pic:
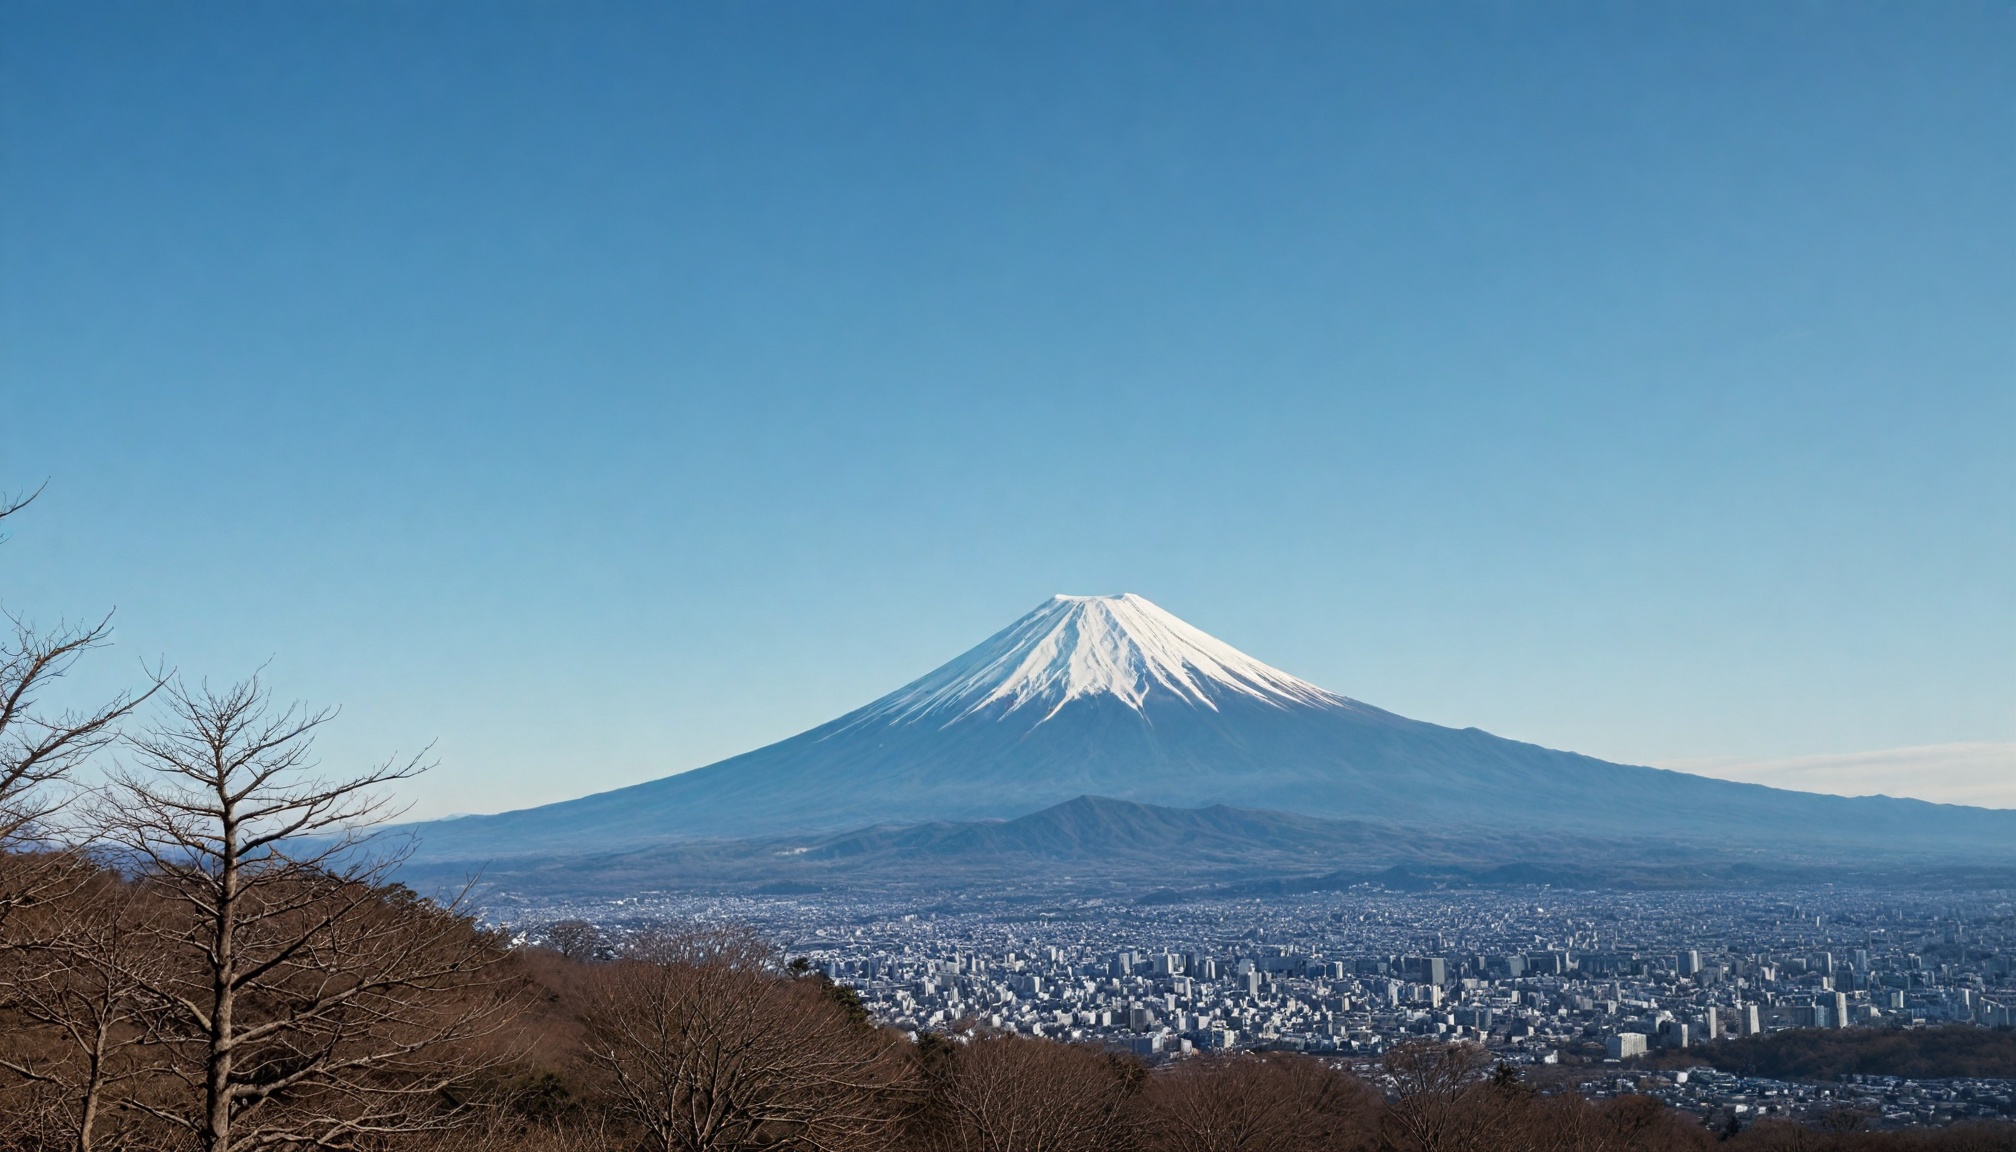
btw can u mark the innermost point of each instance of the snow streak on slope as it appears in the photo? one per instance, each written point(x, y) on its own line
point(1083, 646)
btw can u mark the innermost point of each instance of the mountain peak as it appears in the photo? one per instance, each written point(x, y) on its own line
point(1110, 696)
point(1075, 647)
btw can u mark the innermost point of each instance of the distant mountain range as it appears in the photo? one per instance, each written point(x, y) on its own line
point(1196, 751)
point(1099, 847)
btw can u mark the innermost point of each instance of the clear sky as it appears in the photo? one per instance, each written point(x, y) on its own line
point(602, 389)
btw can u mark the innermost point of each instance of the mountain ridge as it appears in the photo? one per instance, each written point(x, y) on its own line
point(1113, 697)
point(1094, 846)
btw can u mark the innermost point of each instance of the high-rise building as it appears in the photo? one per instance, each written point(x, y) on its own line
point(1548, 963)
point(1427, 969)
point(1690, 963)
point(1625, 1045)
point(1750, 1020)
point(1146, 1045)
point(1839, 1006)
point(1711, 1027)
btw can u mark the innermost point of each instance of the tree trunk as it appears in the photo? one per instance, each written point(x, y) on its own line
point(224, 995)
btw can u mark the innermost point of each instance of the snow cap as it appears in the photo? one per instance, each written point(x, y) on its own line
point(1072, 647)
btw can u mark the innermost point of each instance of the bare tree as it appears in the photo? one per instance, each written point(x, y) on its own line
point(41, 746)
point(1256, 1103)
point(309, 1003)
point(574, 939)
point(49, 998)
point(1562, 1122)
point(1442, 1102)
point(501, 1131)
point(705, 1047)
point(1009, 1094)
point(38, 748)
point(76, 994)
point(1631, 1123)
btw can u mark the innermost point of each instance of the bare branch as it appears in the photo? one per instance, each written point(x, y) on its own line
point(309, 1000)
point(706, 1049)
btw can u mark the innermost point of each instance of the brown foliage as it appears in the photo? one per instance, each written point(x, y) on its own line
point(704, 1047)
point(1634, 1123)
point(1444, 1103)
point(1009, 1094)
point(1827, 1053)
point(1259, 1103)
point(700, 1040)
point(81, 1040)
point(1449, 1097)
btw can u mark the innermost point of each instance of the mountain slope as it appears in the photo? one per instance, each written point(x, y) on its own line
point(1111, 696)
point(1116, 849)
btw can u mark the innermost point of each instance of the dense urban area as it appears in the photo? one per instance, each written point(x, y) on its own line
point(1610, 990)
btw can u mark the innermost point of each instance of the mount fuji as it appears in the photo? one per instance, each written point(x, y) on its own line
point(1112, 697)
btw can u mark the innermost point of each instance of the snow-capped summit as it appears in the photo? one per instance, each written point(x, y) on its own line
point(1110, 696)
point(1072, 647)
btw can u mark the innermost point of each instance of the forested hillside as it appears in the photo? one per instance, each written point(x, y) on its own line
point(1957, 1050)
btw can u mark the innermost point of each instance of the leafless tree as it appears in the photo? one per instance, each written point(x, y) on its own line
point(309, 1003)
point(75, 995)
point(501, 1131)
point(705, 945)
point(40, 746)
point(574, 939)
point(1010, 1094)
point(1441, 1103)
point(1256, 1103)
point(1636, 1123)
point(1565, 1122)
point(706, 1047)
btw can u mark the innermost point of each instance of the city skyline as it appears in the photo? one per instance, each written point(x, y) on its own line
point(1611, 992)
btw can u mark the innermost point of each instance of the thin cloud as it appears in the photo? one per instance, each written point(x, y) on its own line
point(1982, 773)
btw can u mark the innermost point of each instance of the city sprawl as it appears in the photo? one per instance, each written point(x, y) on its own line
point(1574, 985)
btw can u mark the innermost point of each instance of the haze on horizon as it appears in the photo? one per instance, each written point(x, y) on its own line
point(600, 391)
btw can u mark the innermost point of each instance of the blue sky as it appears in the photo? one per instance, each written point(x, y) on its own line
point(601, 389)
